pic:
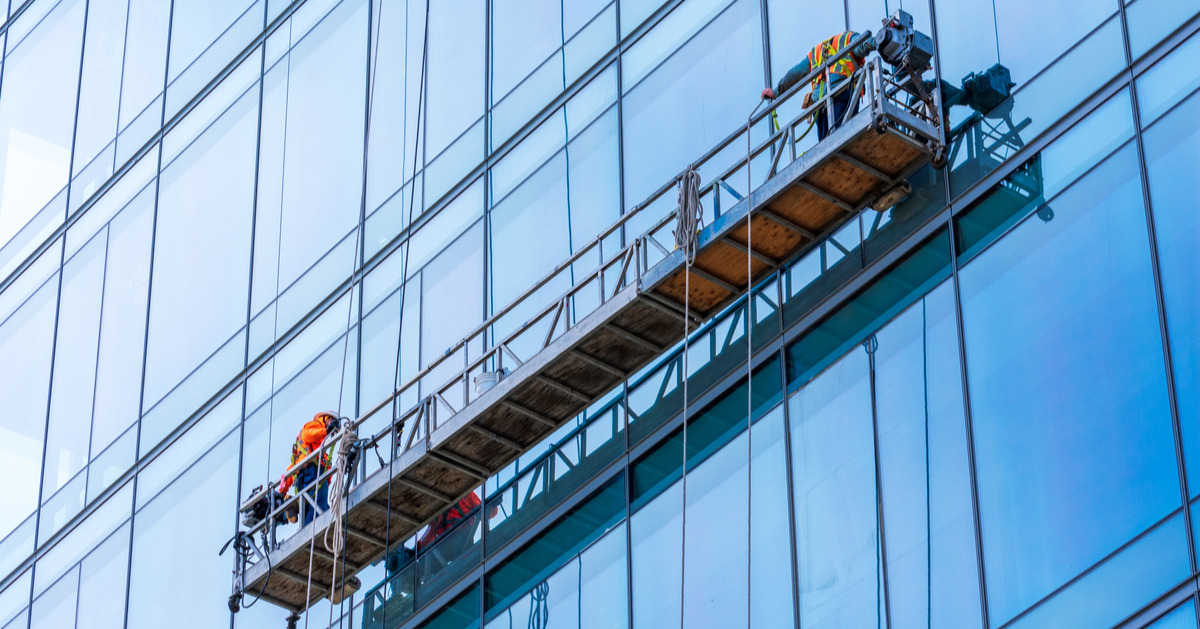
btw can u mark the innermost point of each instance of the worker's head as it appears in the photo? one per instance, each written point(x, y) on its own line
point(330, 419)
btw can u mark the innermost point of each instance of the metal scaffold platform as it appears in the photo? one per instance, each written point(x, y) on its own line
point(630, 309)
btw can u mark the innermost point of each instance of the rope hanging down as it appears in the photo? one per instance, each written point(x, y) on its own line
point(690, 219)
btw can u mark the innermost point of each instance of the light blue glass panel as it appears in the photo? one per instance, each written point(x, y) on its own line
point(1169, 81)
point(208, 65)
point(833, 473)
point(1037, 105)
point(102, 581)
point(1072, 428)
point(118, 194)
point(1121, 585)
point(392, 157)
point(123, 321)
point(712, 82)
point(37, 115)
point(392, 217)
point(442, 228)
point(214, 104)
point(188, 447)
point(771, 602)
point(73, 381)
point(585, 48)
point(198, 292)
point(15, 597)
point(524, 34)
point(534, 93)
point(603, 591)
point(1172, 158)
point(455, 77)
point(1182, 617)
point(449, 168)
point(1086, 144)
point(58, 509)
point(100, 89)
point(201, 501)
point(56, 608)
point(933, 575)
point(1032, 33)
point(17, 546)
point(381, 371)
point(1151, 20)
point(322, 168)
point(142, 77)
point(26, 342)
point(107, 466)
point(716, 539)
point(196, 24)
point(656, 535)
point(796, 28)
point(452, 295)
point(30, 280)
point(85, 536)
point(634, 12)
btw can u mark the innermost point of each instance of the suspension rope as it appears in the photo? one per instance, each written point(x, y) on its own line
point(749, 353)
point(689, 220)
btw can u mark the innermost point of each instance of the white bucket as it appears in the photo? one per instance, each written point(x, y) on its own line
point(488, 379)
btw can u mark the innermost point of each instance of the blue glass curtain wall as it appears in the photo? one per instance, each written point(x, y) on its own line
point(217, 218)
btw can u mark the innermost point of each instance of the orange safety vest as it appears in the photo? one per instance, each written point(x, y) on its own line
point(846, 66)
point(311, 437)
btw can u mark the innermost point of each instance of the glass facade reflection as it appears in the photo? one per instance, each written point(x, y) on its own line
point(977, 409)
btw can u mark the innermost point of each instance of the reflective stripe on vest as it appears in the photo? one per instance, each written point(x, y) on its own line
point(846, 66)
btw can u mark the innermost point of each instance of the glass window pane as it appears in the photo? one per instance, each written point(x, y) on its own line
point(1172, 159)
point(55, 609)
point(323, 140)
point(452, 295)
point(87, 534)
point(197, 298)
point(1183, 617)
point(929, 517)
point(524, 33)
point(1072, 430)
point(123, 321)
point(395, 89)
point(656, 532)
point(75, 350)
point(1152, 20)
point(15, 597)
point(100, 87)
point(712, 81)
point(200, 501)
point(455, 96)
point(1169, 81)
point(1121, 585)
point(102, 584)
point(144, 69)
point(771, 595)
point(26, 343)
point(37, 115)
point(833, 473)
point(196, 24)
point(603, 595)
point(797, 27)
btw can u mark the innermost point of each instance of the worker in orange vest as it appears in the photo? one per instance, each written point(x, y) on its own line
point(863, 44)
point(311, 438)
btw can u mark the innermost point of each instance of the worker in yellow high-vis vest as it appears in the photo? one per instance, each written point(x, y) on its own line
point(862, 44)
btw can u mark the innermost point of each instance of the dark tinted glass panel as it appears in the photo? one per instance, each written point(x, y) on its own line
point(1073, 438)
point(463, 613)
point(581, 526)
point(851, 323)
point(707, 433)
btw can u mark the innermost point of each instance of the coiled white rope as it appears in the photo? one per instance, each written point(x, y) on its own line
point(337, 501)
point(690, 219)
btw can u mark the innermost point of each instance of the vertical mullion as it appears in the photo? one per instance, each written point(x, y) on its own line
point(787, 441)
point(1160, 303)
point(146, 333)
point(966, 390)
point(871, 345)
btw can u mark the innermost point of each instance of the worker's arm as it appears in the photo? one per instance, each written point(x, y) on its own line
point(864, 44)
point(798, 71)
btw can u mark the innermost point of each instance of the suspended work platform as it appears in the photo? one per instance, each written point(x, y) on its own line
point(627, 311)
